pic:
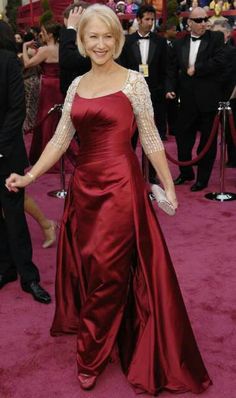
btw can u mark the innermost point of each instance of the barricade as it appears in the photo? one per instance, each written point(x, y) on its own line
point(224, 111)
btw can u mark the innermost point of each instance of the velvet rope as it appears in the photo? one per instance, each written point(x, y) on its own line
point(214, 131)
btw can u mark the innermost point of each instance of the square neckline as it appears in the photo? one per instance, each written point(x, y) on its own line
point(105, 95)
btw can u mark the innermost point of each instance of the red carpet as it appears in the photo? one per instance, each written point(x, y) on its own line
point(201, 239)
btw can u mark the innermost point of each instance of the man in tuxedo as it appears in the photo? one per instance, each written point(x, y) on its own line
point(15, 242)
point(71, 63)
point(146, 52)
point(194, 67)
point(229, 84)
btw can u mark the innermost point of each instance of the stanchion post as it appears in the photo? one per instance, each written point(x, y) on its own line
point(145, 171)
point(62, 172)
point(222, 196)
point(145, 168)
point(223, 107)
point(60, 193)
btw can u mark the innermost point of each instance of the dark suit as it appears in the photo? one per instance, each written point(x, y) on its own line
point(15, 243)
point(156, 60)
point(229, 82)
point(131, 58)
point(71, 63)
point(199, 97)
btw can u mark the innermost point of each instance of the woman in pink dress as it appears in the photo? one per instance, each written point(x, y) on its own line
point(47, 58)
point(115, 281)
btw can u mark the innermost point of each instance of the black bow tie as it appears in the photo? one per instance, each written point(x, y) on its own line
point(144, 37)
point(196, 38)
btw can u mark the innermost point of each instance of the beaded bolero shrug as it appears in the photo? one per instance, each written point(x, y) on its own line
point(136, 90)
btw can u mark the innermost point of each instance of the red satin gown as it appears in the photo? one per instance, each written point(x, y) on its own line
point(115, 281)
point(50, 95)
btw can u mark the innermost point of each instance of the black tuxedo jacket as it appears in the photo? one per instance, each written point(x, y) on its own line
point(12, 115)
point(157, 57)
point(203, 89)
point(71, 63)
point(229, 75)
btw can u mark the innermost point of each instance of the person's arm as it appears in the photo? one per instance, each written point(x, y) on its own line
point(139, 96)
point(53, 150)
point(15, 107)
point(69, 56)
point(68, 51)
point(39, 57)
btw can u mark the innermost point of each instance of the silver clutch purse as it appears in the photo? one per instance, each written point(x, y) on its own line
point(159, 195)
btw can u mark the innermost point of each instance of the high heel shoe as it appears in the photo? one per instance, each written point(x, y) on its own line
point(50, 234)
point(87, 382)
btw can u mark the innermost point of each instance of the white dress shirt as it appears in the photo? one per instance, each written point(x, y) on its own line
point(194, 46)
point(144, 48)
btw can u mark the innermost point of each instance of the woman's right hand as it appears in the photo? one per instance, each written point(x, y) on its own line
point(15, 181)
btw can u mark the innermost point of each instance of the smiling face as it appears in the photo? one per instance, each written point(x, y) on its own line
point(99, 42)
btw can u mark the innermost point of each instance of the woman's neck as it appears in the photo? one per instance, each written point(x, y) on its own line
point(104, 70)
point(51, 42)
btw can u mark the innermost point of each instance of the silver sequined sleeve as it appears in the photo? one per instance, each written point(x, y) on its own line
point(65, 129)
point(136, 89)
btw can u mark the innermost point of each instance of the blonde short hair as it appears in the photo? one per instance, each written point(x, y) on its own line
point(106, 15)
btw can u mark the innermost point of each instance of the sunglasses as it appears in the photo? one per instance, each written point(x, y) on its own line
point(199, 20)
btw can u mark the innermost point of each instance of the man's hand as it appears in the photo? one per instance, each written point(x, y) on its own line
point(170, 95)
point(74, 17)
point(191, 70)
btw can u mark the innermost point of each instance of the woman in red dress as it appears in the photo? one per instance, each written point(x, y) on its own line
point(47, 57)
point(115, 280)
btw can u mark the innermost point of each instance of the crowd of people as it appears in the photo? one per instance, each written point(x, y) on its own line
point(188, 5)
point(115, 281)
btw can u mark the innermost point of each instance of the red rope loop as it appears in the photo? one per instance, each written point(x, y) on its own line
point(214, 131)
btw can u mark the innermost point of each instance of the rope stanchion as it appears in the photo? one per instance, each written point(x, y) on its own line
point(222, 195)
point(223, 109)
point(213, 133)
point(61, 192)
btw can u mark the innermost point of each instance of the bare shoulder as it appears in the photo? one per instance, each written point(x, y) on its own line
point(43, 50)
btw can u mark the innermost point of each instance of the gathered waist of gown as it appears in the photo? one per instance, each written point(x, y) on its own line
point(92, 154)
